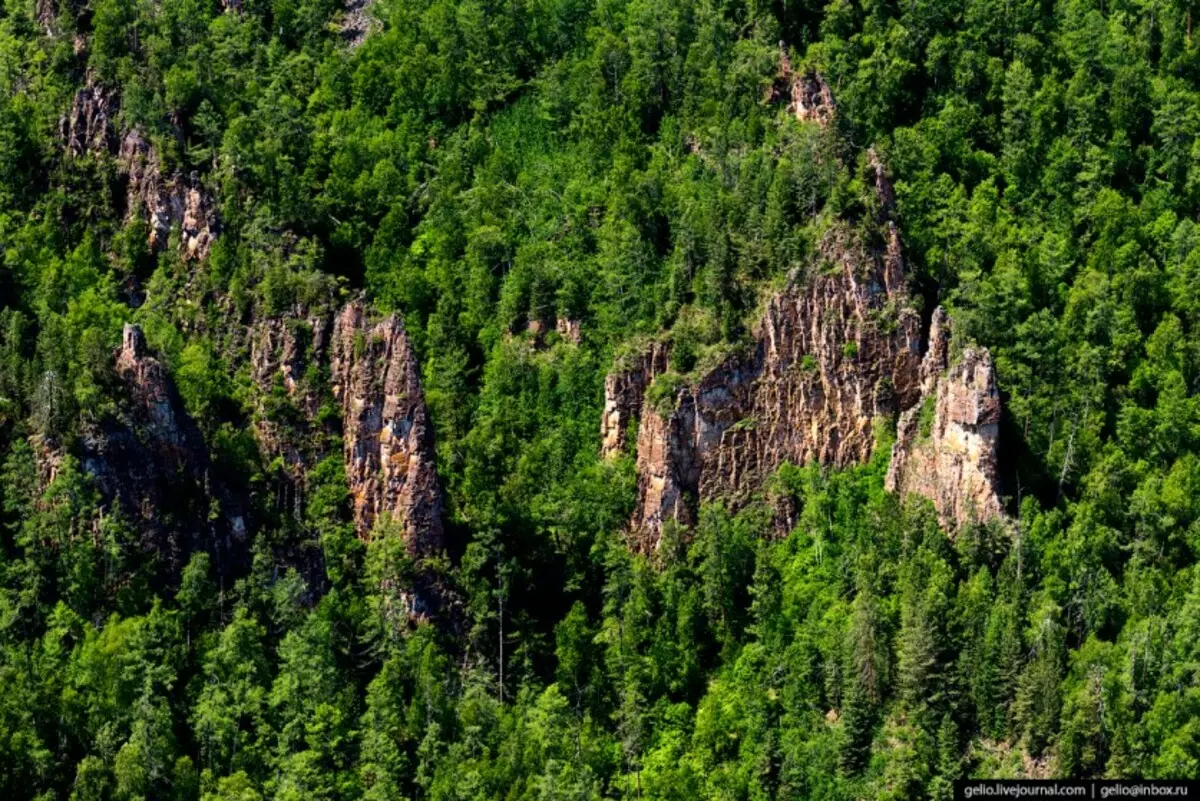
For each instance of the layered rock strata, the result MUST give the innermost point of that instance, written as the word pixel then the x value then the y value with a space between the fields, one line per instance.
pixel 946 446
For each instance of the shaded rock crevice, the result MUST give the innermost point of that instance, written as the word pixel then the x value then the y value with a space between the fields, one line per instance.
pixel 150 459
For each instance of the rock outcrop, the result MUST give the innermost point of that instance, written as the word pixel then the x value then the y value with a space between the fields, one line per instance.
pixel 946 445
pixel 347 378
pixel 165 202
pixel 569 329
pixel 282 351
pixel 812 100
pixel 357 22
pixel 367 370
pixel 836 351
pixel 808 94
pixel 87 127
pixel 388 438
pixel 45 14
pixel 162 201
pixel 624 396
pixel 150 459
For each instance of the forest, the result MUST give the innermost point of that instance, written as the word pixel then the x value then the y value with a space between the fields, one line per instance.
pixel 538 188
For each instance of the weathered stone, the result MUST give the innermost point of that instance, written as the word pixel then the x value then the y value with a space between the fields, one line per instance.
pixel 150 459
pixel 568 329
pixel 387 434
pixel 197 221
pixel 46 15
pixel 357 22
pixel 836 350
pixel 87 127
pixel 387 437
pixel 283 348
pixel 953 462
pixel 624 395
pixel 165 202
pixel 812 100
pixel 809 96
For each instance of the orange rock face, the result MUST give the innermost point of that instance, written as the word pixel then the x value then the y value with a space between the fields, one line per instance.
pixel 387 435
pixel 812 100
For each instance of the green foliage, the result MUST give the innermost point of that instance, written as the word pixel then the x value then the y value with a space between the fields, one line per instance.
pixel 663 393
pixel 926 416
pixel 493 169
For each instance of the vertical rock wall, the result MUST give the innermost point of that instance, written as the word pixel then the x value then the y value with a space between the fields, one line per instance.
pixel 946 445
pixel 388 437
pixel 165 202
pixel 284 349
pixel 623 397
pixel 836 350
pixel 151 461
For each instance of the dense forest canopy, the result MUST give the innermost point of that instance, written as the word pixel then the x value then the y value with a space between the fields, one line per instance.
pixel 488 169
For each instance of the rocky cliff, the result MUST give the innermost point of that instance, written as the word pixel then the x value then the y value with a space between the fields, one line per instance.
pixel 151 460
pixel 836 351
pixel 388 438
pixel 165 202
pixel 374 381
pixel 87 127
pixel 946 446
pixel 624 396
pixel 808 95
pixel 327 381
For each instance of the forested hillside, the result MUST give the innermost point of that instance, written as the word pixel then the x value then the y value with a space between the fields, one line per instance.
pixel 317 479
